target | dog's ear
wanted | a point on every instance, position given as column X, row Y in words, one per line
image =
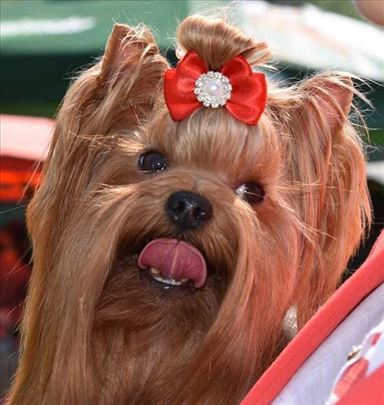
column 329, row 99
column 121, row 89
column 325, row 165
column 117, row 55
column 107, row 101
column 125, row 47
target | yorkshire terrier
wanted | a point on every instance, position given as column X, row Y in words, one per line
column 182, row 214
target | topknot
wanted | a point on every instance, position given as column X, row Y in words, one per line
column 216, row 42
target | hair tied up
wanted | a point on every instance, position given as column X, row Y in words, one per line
column 217, row 42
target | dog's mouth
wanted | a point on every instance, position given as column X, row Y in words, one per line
column 173, row 262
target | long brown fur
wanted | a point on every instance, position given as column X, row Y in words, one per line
column 93, row 333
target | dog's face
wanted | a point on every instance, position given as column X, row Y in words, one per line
column 200, row 185
column 186, row 210
column 168, row 253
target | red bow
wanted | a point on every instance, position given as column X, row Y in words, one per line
column 248, row 96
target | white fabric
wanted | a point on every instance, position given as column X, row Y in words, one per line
column 312, row 384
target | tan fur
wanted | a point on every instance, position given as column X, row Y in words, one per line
column 92, row 333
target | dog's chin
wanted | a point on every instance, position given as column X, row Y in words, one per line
column 144, row 314
column 135, row 287
column 160, row 278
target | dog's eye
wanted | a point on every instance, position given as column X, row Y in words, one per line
column 152, row 161
column 251, row 192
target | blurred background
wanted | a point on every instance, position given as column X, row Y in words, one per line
column 45, row 42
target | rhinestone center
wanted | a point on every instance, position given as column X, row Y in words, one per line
column 213, row 89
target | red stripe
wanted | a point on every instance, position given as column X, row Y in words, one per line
column 368, row 391
column 353, row 373
column 375, row 338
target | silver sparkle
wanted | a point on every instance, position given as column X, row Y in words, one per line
column 213, row 89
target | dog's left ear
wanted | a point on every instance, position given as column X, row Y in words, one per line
column 329, row 99
column 325, row 164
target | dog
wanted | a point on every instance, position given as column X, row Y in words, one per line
column 182, row 214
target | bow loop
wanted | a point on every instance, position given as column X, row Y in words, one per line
column 236, row 67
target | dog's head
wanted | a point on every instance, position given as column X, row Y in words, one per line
column 166, row 248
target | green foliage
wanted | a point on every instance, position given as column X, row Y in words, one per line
column 345, row 7
column 376, row 137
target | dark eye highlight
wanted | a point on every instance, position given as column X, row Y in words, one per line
column 251, row 192
column 152, row 162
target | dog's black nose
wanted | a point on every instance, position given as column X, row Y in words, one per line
column 188, row 210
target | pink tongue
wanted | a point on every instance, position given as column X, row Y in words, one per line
column 175, row 259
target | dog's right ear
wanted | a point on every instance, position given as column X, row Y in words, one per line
column 116, row 53
column 125, row 47
column 108, row 100
column 122, row 88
